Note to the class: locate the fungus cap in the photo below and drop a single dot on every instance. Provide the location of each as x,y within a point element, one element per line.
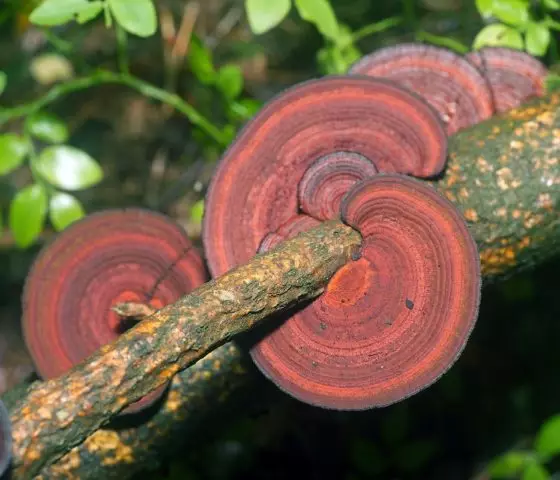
<point>393,321</point>
<point>451,84</point>
<point>514,76</point>
<point>5,439</point>
<point>107,258</point>
<point>254,188</point>
<point>328,179</point>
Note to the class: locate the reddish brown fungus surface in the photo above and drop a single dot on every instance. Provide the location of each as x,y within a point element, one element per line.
<point>254,189</point>
<point>393,321</point>
<point>514,76</point>
<point>105,259</point>
<point>450,83</point>
<point>5,439</point>
<point>328,179</point>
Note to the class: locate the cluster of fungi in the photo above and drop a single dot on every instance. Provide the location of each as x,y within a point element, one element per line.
<point>394,320</point>
<point>391,321</point>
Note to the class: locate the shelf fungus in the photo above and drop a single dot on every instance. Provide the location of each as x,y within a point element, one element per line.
<point>446,80</point>
<point>394,320</point>
<point>327,180</point>
<point>5,439</point>
<point>108,258</point>
<point>254,190</point>
<point>514,76</point>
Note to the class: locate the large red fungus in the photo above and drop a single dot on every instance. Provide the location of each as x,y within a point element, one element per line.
<point>254,189</point>
<point>451,84</point>
<point>394,320</point>
<point>5,439</point>
<point>514,76</point>
<point>105,259</point>
<point>328,179</point>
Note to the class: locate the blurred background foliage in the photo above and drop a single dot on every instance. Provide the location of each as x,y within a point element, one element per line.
<point>109,103</point>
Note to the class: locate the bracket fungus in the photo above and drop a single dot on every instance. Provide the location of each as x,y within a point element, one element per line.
<point>108,258</point>
<point>391,322</point>
<point>254,189</point>
<point>446,80</point>
<point>327,180</point>
<point>514,76</point>
<point>5,439</point>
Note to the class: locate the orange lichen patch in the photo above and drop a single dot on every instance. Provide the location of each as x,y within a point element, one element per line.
<point>546,118</point>
<point>544,200</point>
<point>516,145</point>
<point>496,260</point>
<point>532,219</point>
<point>463,192</point>
<point>516,214</point>
<point>501,212</point>
<point>174,401</point>
<point>483,165</point>
<point>109,443</point>
<point>471,215</point>
<point>66,466</point>
<point>506,180</point>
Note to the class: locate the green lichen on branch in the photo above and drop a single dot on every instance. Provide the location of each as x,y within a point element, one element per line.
<point>175,337</point>
<point>504,176</point>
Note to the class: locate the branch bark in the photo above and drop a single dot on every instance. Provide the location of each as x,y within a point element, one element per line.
<point>502,174</point>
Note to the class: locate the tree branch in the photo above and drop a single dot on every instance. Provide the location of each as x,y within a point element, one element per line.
<point>503,175</point>
<point>150,354</point>
<point>103,77</point>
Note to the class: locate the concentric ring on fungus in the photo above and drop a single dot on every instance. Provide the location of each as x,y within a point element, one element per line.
<point>514,76</point>
<point>5,439</point>
<point>393,321</point>
<point>328,179</point>
<point>109,257</point>
<point>254,188</point>
<point>449,82</point>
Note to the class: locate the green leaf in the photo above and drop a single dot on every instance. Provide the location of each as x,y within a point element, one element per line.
<point>47,127</point>
<point>200,61</point>
<point>537,38</point>
<point>498,35</point>
<point>135,16</point>
<point>64,209</point>
<point>89,13</point>
<point>68,167</point>
<point>484,7</point>
<point>551,4</point>
<point>58,12</point>
<point>13,149</point>
<point>230,81</point>
<point>244,109</point>
<point>263,15</point>
<point>508,465</point>
<point>547,442</point>
<point>512,12</point>
<point>197,212</point>
<point>27,214</point>
<point>535,471</point>
<point>3,81</point>
<point>321,14</point>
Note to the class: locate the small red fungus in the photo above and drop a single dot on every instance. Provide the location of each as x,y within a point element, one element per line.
<point>451,84</point>
<point>5,439</point>
<point>328,179</point>
<point>514,76</point>
<point>393,321</point>
<point>106,259</point>
<point>254,189</point>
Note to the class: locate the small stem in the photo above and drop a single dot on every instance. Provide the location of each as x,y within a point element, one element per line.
<point>122,49</point>
<point>376,28</point>
<point>102,77</point>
